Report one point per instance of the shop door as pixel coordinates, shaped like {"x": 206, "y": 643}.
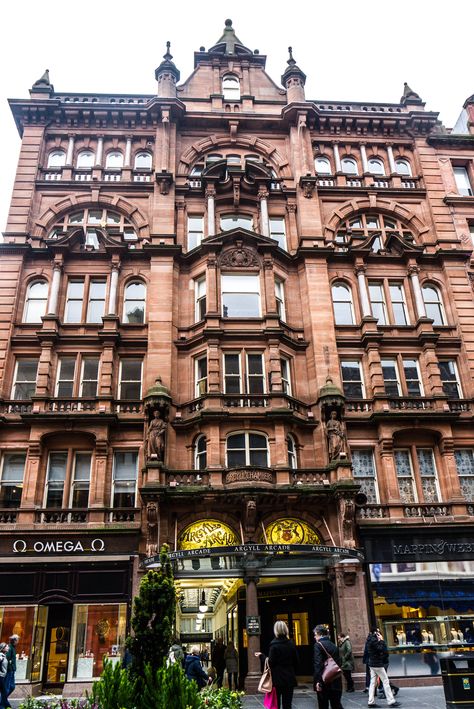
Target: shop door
{"x": 58, "y": 636}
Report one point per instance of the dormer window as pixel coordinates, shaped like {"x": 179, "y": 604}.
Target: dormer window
{"x": 234, "y": 221}
{"x": 231, "y": 87}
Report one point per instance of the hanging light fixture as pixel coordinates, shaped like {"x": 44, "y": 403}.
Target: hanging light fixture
{"x": 200, "y": 615}
{"x": 203, "y": 604}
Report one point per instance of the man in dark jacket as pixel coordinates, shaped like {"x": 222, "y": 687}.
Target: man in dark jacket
{"x": 328, "y": 694}
{"x": 378, "y": 655}
{"x": 193, "y": 668}
{"x": 218, "y": 660}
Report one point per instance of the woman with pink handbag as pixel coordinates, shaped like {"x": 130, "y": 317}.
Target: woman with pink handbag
{"x": 283, "y": 663}
{"x": 327, "y": 670}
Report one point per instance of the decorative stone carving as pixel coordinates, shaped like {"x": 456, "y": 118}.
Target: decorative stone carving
{"x": 155, "y": 438}
{"x": 336, "y": 438}
{"x": 347, "y": 511}
{"x": 151, "y": 529}
{"x": 157, "y": 402}
{"x": 240, "y": 257}
{"x": 252, "y": 476}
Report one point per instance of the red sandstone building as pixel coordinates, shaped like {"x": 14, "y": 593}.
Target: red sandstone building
{"x": 295, "y": 274}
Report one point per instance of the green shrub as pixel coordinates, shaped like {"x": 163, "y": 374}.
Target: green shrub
{"x": 114, "y": 690}
{"x": 213, "y": 698}
{"x": 168, "y": 688}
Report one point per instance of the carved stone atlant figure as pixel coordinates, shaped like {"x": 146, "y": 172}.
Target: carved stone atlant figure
{"x": 336, "y": 437}
{"x": 151, "y": 529}
{"x": 155, "y": 437}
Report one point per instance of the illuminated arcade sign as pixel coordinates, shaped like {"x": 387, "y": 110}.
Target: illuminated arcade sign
{"x": 289, "y": 530}
{"x": 207, "y": 533}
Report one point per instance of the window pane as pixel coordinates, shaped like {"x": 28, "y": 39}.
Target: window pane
{"x": 82, "y": 469}
{"x": 255, "y": 364}
{"x": 75, "y": 294}
{"x": 403, "y": 167}
{"x": 323, "y": 166}
{"x": 243, "y": 305}
{"x": 131, "y": 369}
{"x": 447, "y": 370}
{"x": 236, "y": 441}
{"x": 349, "y": 166}
{"x": 232, "y": 221}
{"x": 143, "y": 161}
{"x": 257, "y": 441}
{"x": 352, "y": 379}
{"x": 65, "y": 382}
{"x": 258, "y": 458}
{"x": 125, "y": 465}
{"x": 235, "y": 458}
{"x": 25, "y": 384}
{"x": 277, "y": 231}
{"x": 412, "y": 378}
{"x": 343, "y": 314}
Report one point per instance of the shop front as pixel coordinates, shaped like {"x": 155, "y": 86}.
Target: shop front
{"x": 68, "y": 598}
{"x": 422, "y": 592}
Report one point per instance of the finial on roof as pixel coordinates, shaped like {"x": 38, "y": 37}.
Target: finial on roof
{"x": 291, "y": 61}
{"x": 168, "y": 56}
{"x": 293, "y": 80}
{"x": 167, "y": 74}
{"x": 410, "y": 96}
{"x": 43, "y": 84}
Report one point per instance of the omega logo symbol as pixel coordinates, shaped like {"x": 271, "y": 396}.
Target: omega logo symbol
{"x": 19, "y": 545}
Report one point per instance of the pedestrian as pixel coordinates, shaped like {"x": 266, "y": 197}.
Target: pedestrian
{"x": 365, "y": 660}
{"x": 378, "y": 654}
{"x": 347, "y": 660}
{"x": 231, "y": 664}
{"x": 4, "y": 703}
{"x": 205, "y": 657}
{"x": 11, "y": 657}
{"x": 329, "y": 694}
{"x": 283, "y": 663}
{"x": 175, "y": 653}
{"x": 218, "y": 660}
{"x": 394, "y": 688}
{"x": 193, "y": 668}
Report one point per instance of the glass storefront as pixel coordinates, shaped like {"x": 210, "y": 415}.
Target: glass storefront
{"x": 99, "y": 632}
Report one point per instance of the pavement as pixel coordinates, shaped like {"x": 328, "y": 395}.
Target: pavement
{"x": 409, "y": 698}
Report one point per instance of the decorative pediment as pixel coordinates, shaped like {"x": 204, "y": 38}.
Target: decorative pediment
{"x": 239, "y": 257}
{"x": 75, "y": 240}
{"x": 239, "y": 235}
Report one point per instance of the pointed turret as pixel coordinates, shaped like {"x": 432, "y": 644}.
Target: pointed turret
{"x": 167, "y": 75}
{"x": 293, "y": 80}
{"x": 42, "y": 85}
{"x": 229, "y": 43}
{"x": 410, "y": 98}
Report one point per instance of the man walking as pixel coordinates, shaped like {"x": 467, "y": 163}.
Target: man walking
{"x": 328, "y": 694}
{"x": 9, "y": 681}
{"x": 377, "y": 651}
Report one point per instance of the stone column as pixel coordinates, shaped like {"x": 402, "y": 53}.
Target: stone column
{"x": 337, "y": 159}
{"x": 363, "y": 291}
{"x": 413, "y": 272}
{"x": 211, "y": 215}
{"x": 375, "y": 369}
{"x": 264, "y": 223}
{"x": 128, "y": 151}
{"x": 54, "y": 289}
{"x": 70, "y": 150}
{"x": 213, "y": 368}
{"x": 100, "y": 150}
{"x": 112, "y": 309}
{"x": 391, "y": 160}
{"x": 251, "y": 608}
{"x": 165, "y": 146}
{"x": 363, "y": 155}
{"x": 212, "y": 286}
{"x": 350, "y": 600}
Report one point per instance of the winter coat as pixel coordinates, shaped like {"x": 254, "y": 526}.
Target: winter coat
{"x": 193, "y": 670}
{"x": 347, "y": 658}
{"x": 11, "y": 657}
{"x": 217, "y": 657}
{"x": 178, "y": 654}
{"x": 377, "y": 651}
{"x": 283, "y": 662}
{"x": 231, "y": 659}
{"x": 320, "y": 657}
{"x": 3, "y": 665}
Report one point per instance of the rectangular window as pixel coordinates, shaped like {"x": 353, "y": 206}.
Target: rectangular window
{"x": 200, "y": 298}
{"x": 399, "y": 306}
{"x": 130, "y": 379}
{"x": 74, "y": 301}
{"x": 11, "y": 481}
{"x": 65, "y": 377}
{"x": 125, "y": 479}
{"x": 232, "y": 375}
{"x": 285, "y": 375}
{"x": 195, "y": 231}
{"x": 377, "y": 301}
{"x": 277, "y": 231}
{"x": 201, "y": 376}
{"x": 56, "y": 478}
{"x": 80, "y": 481}
{"x": 96, "y": 303}
{"x": 280, "y": 299}
{"x": 89, "y": 377}
{"x": 412, "y": 377}
{"x": 450, "y": 379}
{"x": 240, "y": 296}
{"x": 465, "y": 467}
{"x": 352, "y": 382}
{"x": 428, "y": 475}
{"x": 463, "y": 183}
{"x": 98, "y": 633}
{"x": 363, "y": 466}
{"x": 390, "y": 377}
{"x": 406, "y": 482}
{"x": 255, "y": 374}
{"x": 24, "y": 385}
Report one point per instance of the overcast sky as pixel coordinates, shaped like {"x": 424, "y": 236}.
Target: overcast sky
{"x": 354, "y": 51}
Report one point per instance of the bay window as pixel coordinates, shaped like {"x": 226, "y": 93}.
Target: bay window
{"x": 240, "y": 296}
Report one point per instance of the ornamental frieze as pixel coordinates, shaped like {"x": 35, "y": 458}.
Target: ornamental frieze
{"x": 240, "y": 257}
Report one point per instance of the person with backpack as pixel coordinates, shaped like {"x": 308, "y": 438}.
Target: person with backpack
{"x": 4, "y": 703}
{"x": 328, "y": 693}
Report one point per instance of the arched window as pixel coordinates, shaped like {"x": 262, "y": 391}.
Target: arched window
{"x": 85, "y": 159}
{"x": 433, "y": 304}
{"x": 247, "y": 449}
{"x": 403, "y": 168}
{"x": 200, "y": 453}
{"x": 143, "y": 161}
{"x": 57, "y": 158}
{"x": 322, "y": 166}
{"x": 349, "y": 166}
{"x": 342, "y": 304}
{"x": 376, "y": 166}
{"x": 231, "y": 87}
{"x": 114, "y": 160}
{"x": 233, "y": 159}
{"x": 134, "y": 303}
{"x": 36, "y": 300}
{"x": 196, "y": 171}
{"x": 292, "y": 458}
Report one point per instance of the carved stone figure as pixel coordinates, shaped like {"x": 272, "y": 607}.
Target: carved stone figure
{"x": 336, "y": 437}
{"x": 155, "y": 437}
{"x": 347, "y": 516}
{"x": 151, "y": 529}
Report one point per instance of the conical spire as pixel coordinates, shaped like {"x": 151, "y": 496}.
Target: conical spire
{"x": 410, "y": 96}
{"x": 229, "y": 38}
{"x": 167, "y": 75}
{"x": 293, "y": 79}
{"x": 43, "y": 85}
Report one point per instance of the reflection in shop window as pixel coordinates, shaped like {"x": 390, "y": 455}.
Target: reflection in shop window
{"x": 98, "y": 633}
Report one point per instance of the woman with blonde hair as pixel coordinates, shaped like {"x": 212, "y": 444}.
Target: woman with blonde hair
{"x": 283, "y": 662}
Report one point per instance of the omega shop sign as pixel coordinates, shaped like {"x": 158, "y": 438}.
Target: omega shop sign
{"x": 22, "y": 546}
{"x": 58, "y": 546}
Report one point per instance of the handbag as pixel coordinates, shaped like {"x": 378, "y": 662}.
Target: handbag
{"x": 270, "y": 700}
{"x": 266, "y": 683}
{"x": 331, "y": 669}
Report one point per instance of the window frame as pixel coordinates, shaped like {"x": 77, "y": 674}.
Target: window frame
{"x": 122, "y": 381}
{"x": 381, "y": 303}
{"x": 77, "y": 483}
{"x": 406, "y": 163}
{"x": 326, "y": 161}
{"x": 236, "y": 217}
{"x": 466, "y": 475}
{"x": 280, "y": 298}
{"x": 80, "y": 155}
{"x": 87, "y": 358}
{"x": 380, "y": 161}
{"x": 28, "y": 300}
{"x": 199, "y": 455}
{"x": 397, "y": 379}
{"x": 337, "y": 301}
{"x": 411, "y": 477}
{"x": 463, "y": 184}
{"x": 279, "y": 235}
{"x": 125, "y": 316}
{"x": 119, "y": 451}
{"x": 456, "y": 379}
{"x": 359, "y": 381}
{"x": 11, "y": 503}
{"x": 403, "y": 303}
{"x": 292, "y": 452}
{"x": 195, "y": 233}
{"x": 54, "y": 153}
{"x": 114, "y": 154}
{"x": 86, "y": 300}
{"x": 60, "y": 484}
{"x": 257, "y": 293}
{"x": 439, "y": 304}
{"x": 286, "y": 383}
{"x": 15, "y": 382}
{"x": 139, "y": 154}
{"x": 352, "y": 161}
{"x": 200, "y": 382}
{"x": 247, "y": 449}
{"x": 200, "y": 298}
{"x": 231, "y": 93}
{"x": 374, "y": 477}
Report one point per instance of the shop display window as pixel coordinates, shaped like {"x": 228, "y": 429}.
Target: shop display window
{"x": 19, "y": 620}
{"x": 98, "y": 632}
